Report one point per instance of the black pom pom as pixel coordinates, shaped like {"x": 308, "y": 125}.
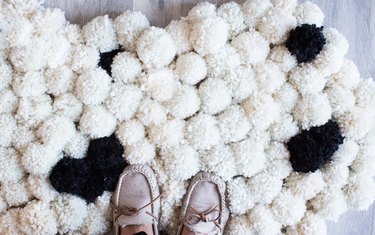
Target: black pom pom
{"x": 306, "y": 42}
{"x": 106, "y": 60}
{"x": 91, "y": 176}
{"x": 312, "y": 148}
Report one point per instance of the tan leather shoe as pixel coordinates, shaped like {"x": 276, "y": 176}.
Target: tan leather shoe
{"x": 136, "y": 199}
{"x": 204, "y": 208}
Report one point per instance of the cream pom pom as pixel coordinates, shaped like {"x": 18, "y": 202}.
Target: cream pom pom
{"x": 281, "y": 56}
{"x": 275, "y": 25}
{"x": 329, "y": 204}
{"x": 264, "y": 187}
{"x": 309, "y": 13}
{"x": 59, "y": 80}
{"x": 41, "y": 188}
{"x": 155, "y": 48}
{"x": 254, "y": 9}
{"x": 68, "y": 105}
{"x": 8, "y": 101}
{"x": 31, "y": 111}
{"x": 219, "y": 160}
{"x": 179, "y": 31}
{"x": 39, "y": 159}
{"x": 311, "y": 223}
{"x": 141, "y": 152}
{"x": 168, "y": 134}
{"x": 181, "y": 162}
{"x": 160, "y": 84}
{"x": 209, "y": 35}
{"x": 261, "y": 110}
{"x": 307, "y": 79}
{"x": 268, "y": 76}
{"x": 341, "y": 99}
{"x": 151, "y": 112}
{"x": 263, "y": 222}
{"x": 95, "y": 222}
{"x": 202, "y": 132}
{"x": 360, "y": 192}
{"x": 5, "y": 74}
{"x": 71, "y": 212}
{"x": 76, "y": 147}
{"x": 185, "y": 102}
{"x": 125, "y": 67}
{"x": 37, "y": 218}
{"x": 92, "y": 86}
{"x": 240, "y": 82}
{"x": 201, "y": 11}
{"x": 287, "y": 208}
{"x": 348, "y": 76}
{"x": 225, "y": 60}
{"x": 22, "y": 137}
{"x": 191, "y": 68}
{"x": 284, "y": 128}
{"x": 252, "y": 47}
{"x": 312, "y": 110}
{"x": 286, "y": 97}
{"x": 355, "y": 123}
{"x": 123, "y": 100}
{"x": 7, "y": 128}
{"x": 9, "y": 222}
{"x": 11, "y": 169}
{"x": 233, "y": 124}
{"x": 130, "y": 132}
{"x": 56, "y": 131}
{"x": 233, "y": 16}
{"x": 84, "y": 58}
{"x": 97, "y": 122}
{"x": 100, "y": 33}
{"x": 240, "y": 199}
{"x": 214, "y": 95}
{"x": 29, "y": 84}
{"x": 239, "y": 225}
{"x": 305, "y": 185}
{"x": 16, "y": 193}
{"x": 129, "y": 25}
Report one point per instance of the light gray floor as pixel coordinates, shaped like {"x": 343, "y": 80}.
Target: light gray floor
{"x": 354, "y": 18}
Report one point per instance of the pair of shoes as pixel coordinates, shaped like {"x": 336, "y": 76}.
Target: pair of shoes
{"x": 137, "y": 203}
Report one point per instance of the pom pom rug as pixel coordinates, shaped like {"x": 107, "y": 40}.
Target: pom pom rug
{"x": 260, "y": 94}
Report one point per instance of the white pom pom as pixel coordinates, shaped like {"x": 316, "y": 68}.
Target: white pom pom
{"x": 7, "y": 128}
{"x": 37, "y": 218}
{"x": 15, "y": 193}
{"x": 10, "y": 166}
{"x": 341, "y": 99}
{"x": 95, "y": 222}
{"x": 39, "y": 159}
{"x": 93, "y": 86}
{"x": 179, "y": 31}
{"x": 264, "y": 187}
{"x": 305, "y": 185}
{"x": 286, "y": 5}
{"x": 252, "y": 47}
{"x": 151, "y": 112}
{"x": 269, "y": 78}
{"x": 68, "y": 105}
{"x": 225, "y": 60}
{"x": 346, "y": 153}
{"x": 365, "y": 94}
{"x": 288, "y": 209}
{"x": 130, "y": 132}
{"x": 201, "y": 11}
{"x": 77, "y": 146}
{"x": 3, "y": 208}
{"x": 97, "y": 122}
{"x": 29, "y": 84}
{"x": 185, "y": 102}
{"x": 360, "y": 192}
{"x": 9, "y": 222}
{"x": 168, "y": 134}
{"x": 263, "y": 222}
{"x": 129, "y": 25}
{"x": 22, "y": 137}
{"x": 355, "y": 123}
{"x": 123, "y": 100}
{"x": 312, "y": 110}
{"x": 59, "y": 80}
{"x": 70, "y": 212}
{"x": 20, "y": 32}
{"x": 239, "y": 225}
{"x": 307, "y": 79}
{"x": 141, "y": 152}
{"x": 311, "y": 223}
{"x": 240, "y": 199}
{"x": 191, "y": 68}
{"x": 329, "y": 204}
{"x": 219, "y": 160}
{"x": 233, "y": 124}
{"x": 275, "y": 25}
{"x": 241, "y": 83}
{"x": 8, "y": 101}
{"x": 31, "y": 111}
{"x": 281, "y": 56}
{"x": 57, "y": 51}
{"x": 309, "y": 13}
{"x": 214, "y": 95}
{"x": 6, "y": 75}
{"x": 84, "y": 58}
{"x": 27, "y": 58}
{"x": 286, "y": 97}
{"x": 155, "y": 48}
{"x": 348, "y": 76}
{"x": 254, "y": 9}
{"x": 41, "y": 188}
{"x": 284, "y": 128}
{"x": 208, "y": 35}
{"x": 125, "y": 67}
{"x": 202, "y": 132}
{"x": 261, "y": 110}
{"x": 100, "y": 33}
{"x": 160, "y": 84}
{"x": 233, "y": 16}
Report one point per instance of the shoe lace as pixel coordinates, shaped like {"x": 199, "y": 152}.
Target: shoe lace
{"x": 204, "y": 216}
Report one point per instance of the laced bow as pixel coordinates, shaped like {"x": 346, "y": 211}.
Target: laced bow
{"x": 204, "y": 216}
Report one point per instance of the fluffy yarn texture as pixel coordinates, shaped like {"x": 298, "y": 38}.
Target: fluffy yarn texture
{"x": 258, "y": 93}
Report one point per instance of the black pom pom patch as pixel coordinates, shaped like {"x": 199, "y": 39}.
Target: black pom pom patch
{"x": 306, "y": 42}
{"x": 106, "y": 60}
{"x": 312, "y": 148}
{"x": 91, "y": 176}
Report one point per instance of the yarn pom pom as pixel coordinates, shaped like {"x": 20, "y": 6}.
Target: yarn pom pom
{"x": 106, "y": 60}
{"x": 306, "y": 42}
{"x": 312, "y": 148}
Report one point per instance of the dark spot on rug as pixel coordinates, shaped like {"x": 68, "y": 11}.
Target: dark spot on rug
{"x": 310, "y": 149}
{"x": 306, "y": 42}
{"x": 89, "y": 177}
{"x": 106, "y": 60}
